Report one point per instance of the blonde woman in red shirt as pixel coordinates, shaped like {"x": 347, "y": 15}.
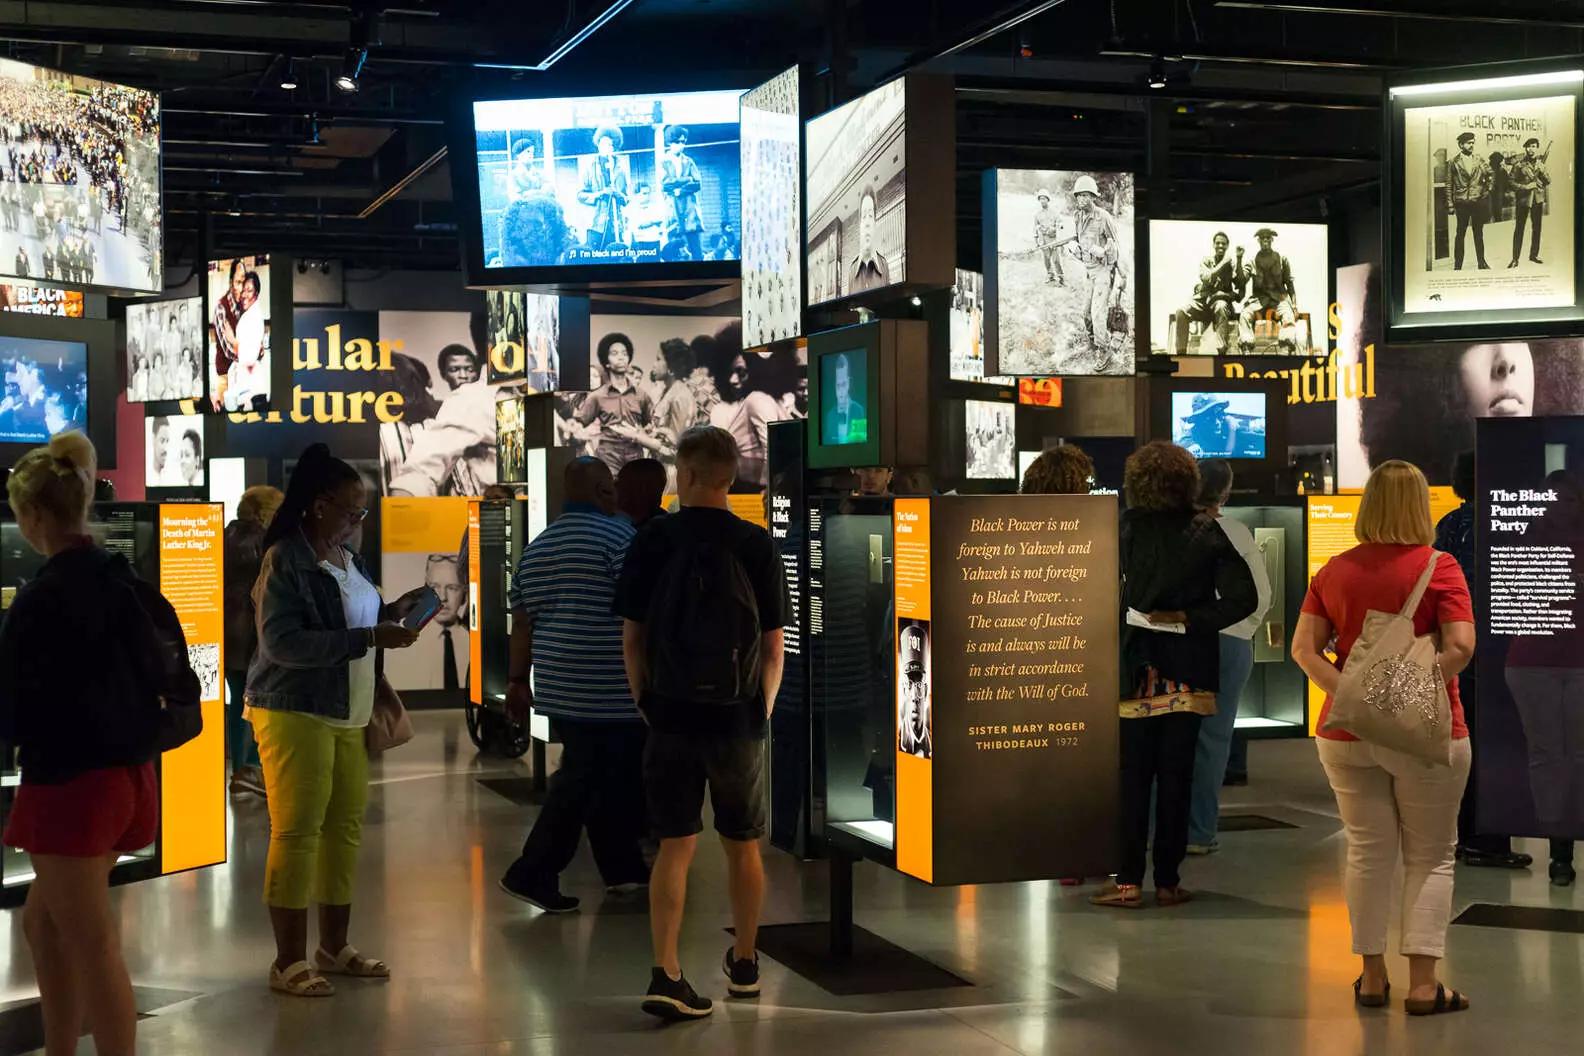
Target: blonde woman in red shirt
{"x": 1390, "y": 802}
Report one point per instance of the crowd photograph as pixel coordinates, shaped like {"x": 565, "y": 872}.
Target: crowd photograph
{"x": 164, "y": 351}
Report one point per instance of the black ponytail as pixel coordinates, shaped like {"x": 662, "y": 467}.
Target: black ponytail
{"x": 317, "y": 473}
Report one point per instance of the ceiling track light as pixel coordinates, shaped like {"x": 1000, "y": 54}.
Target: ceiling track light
{"x": 351, "y": 68}
{"x": 1157, "y": 73}
{"x": 288, "y": 81}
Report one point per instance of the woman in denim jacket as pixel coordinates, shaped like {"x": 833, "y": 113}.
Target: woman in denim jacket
{"x": 310, "y": 692}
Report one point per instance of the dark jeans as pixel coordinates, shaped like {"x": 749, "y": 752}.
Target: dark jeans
{"x": 1562, "y": 851}
{"x": 1470, "y": 214}
{"x": 240, "y": 745}
{"x": 1468, "y": 837}
{"x": 1157, "y": 750}
{"x": 1533, "y": 213}
{"x": 598, "y": 787}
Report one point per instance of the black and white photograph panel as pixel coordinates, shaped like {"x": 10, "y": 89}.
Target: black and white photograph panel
{"x": 1488, "y": 205}
{"x": 165, "y": 350}
{"x": 511, "y": 455}
{"x": 440, "y": 657}
{"x": 238, "y": 358}
{"x": 79, "y": 180}
{"x": 524, "y": 339}
{"x": 915, "y": 724}
{"x": 991, "y": 440}
{"x": 1064, "y": 260}
{"x": 857, "y": 193}
{"x": 205, "y": 662}
{"x": 654, "y": 377}
{"x": 966, "y": 325}
{"x": 1226, "y": 288}
{"x": 174, "y": 451}
{"x": 445, "y": 441}
{"x": 772, "y": 179}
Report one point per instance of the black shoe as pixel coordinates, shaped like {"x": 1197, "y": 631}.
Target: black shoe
{"x": 1562, "y": 874}
{"x": 1484, "y": 266}
{"x": 1232, "y": 780}
{"x": 1514, "y": 264}
{"x": 1495, "y": 859}
{"x": 742, "y": 977}
{"x": 1537, "y": 260}
{"x": 548, "y": 899}
{"x": 674, "y": 999}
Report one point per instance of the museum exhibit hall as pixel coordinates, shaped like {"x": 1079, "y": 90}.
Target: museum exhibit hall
{"x": 771, "y": 526}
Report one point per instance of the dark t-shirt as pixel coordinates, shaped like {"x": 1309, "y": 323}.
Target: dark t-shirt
{"x": 654, "y": 546}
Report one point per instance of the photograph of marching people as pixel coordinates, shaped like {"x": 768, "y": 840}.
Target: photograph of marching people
{"x": 626, "y": 179}
{"x": 525, "y": 338}
{"x": 165, "y": 350}
{"x": 174, "y": 450}
{"x": 857, "y": 195}
{"x": 239, "y": 334}
{"x": 1487, "y": 199}
{"x": 1419, "y": 403}
{"x": 653, "y": 377}
{"x": 1228, "y": 288}
{"x": 46, "y": 389}
{"x": 992, "y": 440}
{"x": 79, "y": 180}
{"x": 914, "y": 722}
{"x": 772, "y": 213}
{"x": 511, "y": 460}
{"x": 1062, "y": 272}
{"x": 445, "y": 441}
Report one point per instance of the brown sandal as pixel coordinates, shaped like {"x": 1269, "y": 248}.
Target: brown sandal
{"x": 1172, "y": 896}
{"x": 1444, "y": 1001}
{"x": 1121, "y": 896}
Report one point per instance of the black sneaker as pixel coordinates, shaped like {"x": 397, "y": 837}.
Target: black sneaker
{"x": 742, "y": 977}
{"x": 674, "y": 999}
{"x": 1562, "y": 874}
{"x": 548, "y": 899}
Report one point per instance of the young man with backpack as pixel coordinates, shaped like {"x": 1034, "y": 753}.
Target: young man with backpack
{"x": 703, "y": 602}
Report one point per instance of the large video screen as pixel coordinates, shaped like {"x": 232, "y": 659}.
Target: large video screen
{"x": 1219, "y": 424}
{"x": 80, "y": 185}
{"x": 165, "y": 351}
{"x": 1220, "y": 288}
{"x": 991, "y": 435}
{"x": 239, "y": 333}
{"x": 174, "y": 444}
{"x": 857, "y": 192}
{"x": 772, "y": 174}
{"x": 622, "y": 179}
{"x": 46, "y": 389}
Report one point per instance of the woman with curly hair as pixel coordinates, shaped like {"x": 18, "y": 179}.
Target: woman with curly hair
{"x": 1063, "y": 470}
{"x": 1184, "y": 582}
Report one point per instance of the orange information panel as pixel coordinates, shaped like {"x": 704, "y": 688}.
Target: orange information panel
{"x": 192, "y": 778}
{"x": 475, "y": 624}
{"x": 915, "y": 787}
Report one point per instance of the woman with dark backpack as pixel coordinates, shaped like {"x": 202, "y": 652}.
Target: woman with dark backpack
{"x": 88, "y": 790}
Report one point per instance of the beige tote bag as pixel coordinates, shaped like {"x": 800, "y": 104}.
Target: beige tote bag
{"x": 1392, "y": 693}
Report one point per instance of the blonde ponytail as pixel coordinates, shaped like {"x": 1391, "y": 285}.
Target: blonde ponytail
{"x": 57, "y": 480}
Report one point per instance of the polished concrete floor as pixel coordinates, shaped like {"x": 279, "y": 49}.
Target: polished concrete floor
{"x": 1259, "y": 965}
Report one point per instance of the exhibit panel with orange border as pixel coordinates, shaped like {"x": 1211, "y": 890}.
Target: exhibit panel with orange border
{"x": 1007, "y": 685}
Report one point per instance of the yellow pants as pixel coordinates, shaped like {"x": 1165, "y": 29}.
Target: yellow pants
{"x": 317, "y": 779}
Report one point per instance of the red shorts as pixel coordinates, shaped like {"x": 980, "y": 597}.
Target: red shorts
{"x": 114, "y": 809}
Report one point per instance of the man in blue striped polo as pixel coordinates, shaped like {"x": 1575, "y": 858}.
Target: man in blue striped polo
{"x": 564, "y": 633}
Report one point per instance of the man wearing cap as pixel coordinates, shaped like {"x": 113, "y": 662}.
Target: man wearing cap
{"x": 1047, "y": 236}
{"x": 1273, "y": 293}
{"x": 1471, "y": 182}
{"x": 1208, "y": 431}
{"x": 1530, "y": 180}
{"x": 1095, "y": 245}
{"x": 913, "y": 725}
{"x": 1223, "y": 281}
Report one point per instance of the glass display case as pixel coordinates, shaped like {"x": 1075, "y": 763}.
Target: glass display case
{"x": 1275, "y": 701}
{"x": 852, "y": 676}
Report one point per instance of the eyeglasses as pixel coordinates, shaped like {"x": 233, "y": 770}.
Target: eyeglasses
{"x": 355, "y": 514}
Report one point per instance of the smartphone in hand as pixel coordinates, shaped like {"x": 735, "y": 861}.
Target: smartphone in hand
{"x": 420, "y": 614}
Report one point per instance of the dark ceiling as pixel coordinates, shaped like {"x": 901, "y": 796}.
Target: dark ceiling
{"x": 1269, "y": 107}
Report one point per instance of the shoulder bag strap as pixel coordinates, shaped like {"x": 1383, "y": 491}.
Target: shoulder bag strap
{"x": 1417, "y": 596}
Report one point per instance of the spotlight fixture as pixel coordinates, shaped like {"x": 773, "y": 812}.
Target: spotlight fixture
{"x": 302, "y": 266}
{"x": 1157, "y": 73}
{"x": 918, "y": 302}
{"x": 351, "y": 67}
{"x": 288, "y": 81}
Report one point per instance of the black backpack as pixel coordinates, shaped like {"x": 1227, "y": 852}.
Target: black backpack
{"x": 702, "y": 634}
{"x": 149, "y": 650}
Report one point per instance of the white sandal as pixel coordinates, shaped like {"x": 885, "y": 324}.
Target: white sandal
{"x": 352, "y": 963}
{"x": 300, "y": 980}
